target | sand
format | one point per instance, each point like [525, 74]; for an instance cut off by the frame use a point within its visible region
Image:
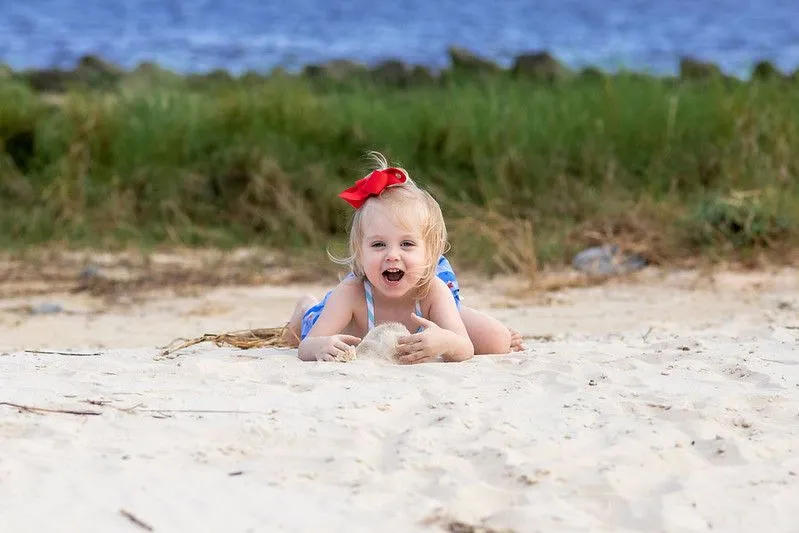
[665, 402]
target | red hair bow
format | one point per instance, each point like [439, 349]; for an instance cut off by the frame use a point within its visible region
[372, 185]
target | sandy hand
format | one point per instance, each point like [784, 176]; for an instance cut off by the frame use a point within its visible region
[338, 348]
[424, 346]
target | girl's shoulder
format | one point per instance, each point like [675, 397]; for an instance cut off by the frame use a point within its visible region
[438, 291]
[350, 288]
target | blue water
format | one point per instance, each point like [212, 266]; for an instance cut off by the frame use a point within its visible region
[240, 35]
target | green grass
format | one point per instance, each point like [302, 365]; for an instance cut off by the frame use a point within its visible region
[651, 163]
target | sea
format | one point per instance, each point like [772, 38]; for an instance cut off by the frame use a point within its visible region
[259, 35]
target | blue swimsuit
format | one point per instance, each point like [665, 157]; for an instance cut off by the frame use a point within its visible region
[443, 271]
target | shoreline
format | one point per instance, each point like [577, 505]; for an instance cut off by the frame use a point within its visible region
[536, 64]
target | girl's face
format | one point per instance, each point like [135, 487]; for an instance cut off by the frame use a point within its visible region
[392, 256]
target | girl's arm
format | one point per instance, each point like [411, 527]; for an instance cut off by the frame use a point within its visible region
[445, 334]
[325, 342]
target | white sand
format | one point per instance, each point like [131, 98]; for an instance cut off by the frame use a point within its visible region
[665, 405]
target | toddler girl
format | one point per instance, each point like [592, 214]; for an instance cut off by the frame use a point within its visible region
[398, 274]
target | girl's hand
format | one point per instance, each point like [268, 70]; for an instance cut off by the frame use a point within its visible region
[337, 347]
[424, 346]
[330, 348]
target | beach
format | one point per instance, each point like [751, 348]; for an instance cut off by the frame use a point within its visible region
[663, 401]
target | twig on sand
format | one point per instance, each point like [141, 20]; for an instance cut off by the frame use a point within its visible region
[130, 516]
[244, 339]
[76, 354]
[41, 410]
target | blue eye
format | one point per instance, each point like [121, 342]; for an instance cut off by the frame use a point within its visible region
[408, 243]
[377, 244]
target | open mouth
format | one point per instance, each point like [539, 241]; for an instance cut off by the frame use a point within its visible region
[393, 274]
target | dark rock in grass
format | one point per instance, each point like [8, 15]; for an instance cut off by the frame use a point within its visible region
[391, 72]
[694, 69]
[421, 75]
[336, 70]
[216, 76]
[396, 73]
[606, 261]
[465, 62]
[91, 64]
[48, 80]
[539, 66]
[592, 74]
[91, 72]
[765, 70]
[97, 73]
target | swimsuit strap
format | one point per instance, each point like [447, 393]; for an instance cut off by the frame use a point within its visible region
[420, 315]
[370, 306]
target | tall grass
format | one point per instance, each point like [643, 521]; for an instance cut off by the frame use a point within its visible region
[651, 163]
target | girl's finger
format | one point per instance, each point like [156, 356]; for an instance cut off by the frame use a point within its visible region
[423, 321]
[349, 339]
[407, 349]
[342, 346]
[411, 357]
[410, 339]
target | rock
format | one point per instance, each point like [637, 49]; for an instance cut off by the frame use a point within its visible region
[694, 69]
[592, 74]
[606, 261]
[216, 76]
[464, 61]
[421, 75]
[48, 80]
[46, 308]
[391, 72]
[765, 70]
[90, 71]
[97, 73]
[336, 70]
[539, 66]
[96, 65]
[396, 73]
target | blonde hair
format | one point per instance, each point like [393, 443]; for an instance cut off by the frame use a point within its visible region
[410, 206]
